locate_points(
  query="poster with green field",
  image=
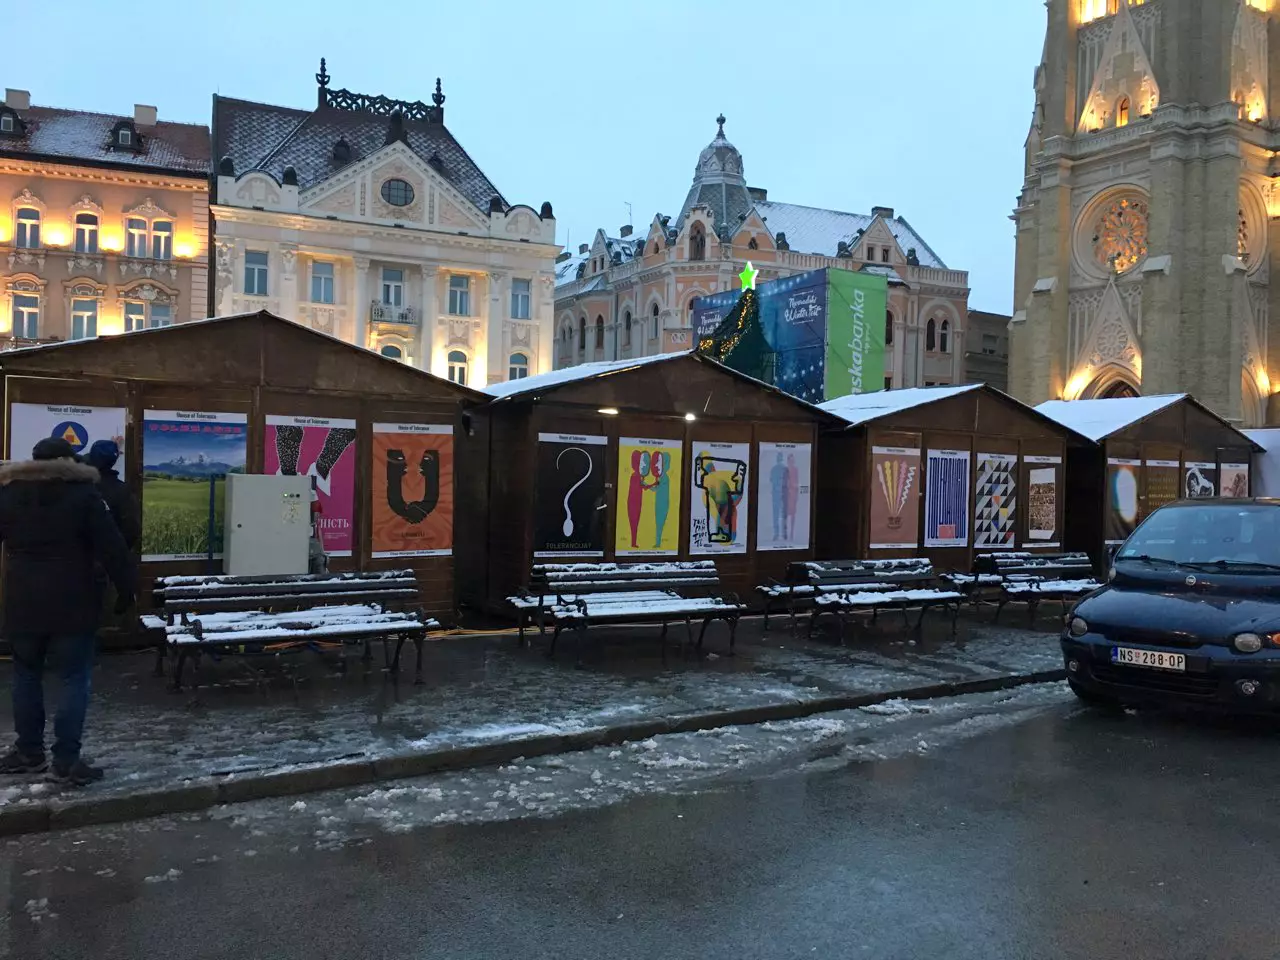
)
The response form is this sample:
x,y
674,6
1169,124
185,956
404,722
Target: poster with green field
x,y
856,305
186,457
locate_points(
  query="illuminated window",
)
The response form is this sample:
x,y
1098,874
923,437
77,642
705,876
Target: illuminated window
x,y
321,282
392,352
520,296
1122,112
518,368
86,233
255,273
28,232
135,316
136,237
460,295
161,240
84,319
1120,240
458,367
392,287
26,315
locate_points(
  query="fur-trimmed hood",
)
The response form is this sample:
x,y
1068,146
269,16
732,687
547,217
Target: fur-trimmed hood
x,y
48,470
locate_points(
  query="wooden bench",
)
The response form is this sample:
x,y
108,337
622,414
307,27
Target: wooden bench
x,y
227,614
1035,578
579,596
983,583
805,580
913,588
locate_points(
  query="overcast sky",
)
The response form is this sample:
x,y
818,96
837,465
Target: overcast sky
x,y
920,105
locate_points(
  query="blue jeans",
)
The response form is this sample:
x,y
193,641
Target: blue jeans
x,y
74,659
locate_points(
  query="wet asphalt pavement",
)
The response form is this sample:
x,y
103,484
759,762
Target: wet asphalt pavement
x,y
1015,826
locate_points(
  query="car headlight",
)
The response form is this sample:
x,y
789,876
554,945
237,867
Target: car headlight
x,y
1247,642
1079,627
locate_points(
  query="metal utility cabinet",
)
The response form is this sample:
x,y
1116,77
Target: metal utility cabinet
x,y
268,524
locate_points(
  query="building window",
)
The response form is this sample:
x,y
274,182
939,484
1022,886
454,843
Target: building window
x,y
162,240
626,330
871,254
392,287
161,315
459,295
599,333
458,367
944,337
86,233
697,242
28,233
255,273
398,193
520,298
888,383
124,137
1122,112
888,328
136,237
518,368
990,344
654,334
321,282
884,254
582,333
84,319
931,335
6,124
135,317
26,315
392,352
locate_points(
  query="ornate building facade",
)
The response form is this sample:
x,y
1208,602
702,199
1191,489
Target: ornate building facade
x,y
104,222
365,219
631,295
1144,243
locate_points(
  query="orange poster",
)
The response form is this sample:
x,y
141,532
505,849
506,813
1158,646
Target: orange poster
x,y
412,490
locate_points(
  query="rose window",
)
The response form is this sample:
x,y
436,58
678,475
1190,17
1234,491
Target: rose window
x,y
1120,242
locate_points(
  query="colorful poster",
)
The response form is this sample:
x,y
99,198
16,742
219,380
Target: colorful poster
x,y
718,497
79,426
1122,499
186,456
1233,480
856,307
412,490
569,502
783,514
648,514
793,315
946,499
1201,481
1162,480
995,501
323,449
1042,501
895,498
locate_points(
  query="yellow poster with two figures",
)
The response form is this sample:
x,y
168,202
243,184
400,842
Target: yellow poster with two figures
x,y
648,517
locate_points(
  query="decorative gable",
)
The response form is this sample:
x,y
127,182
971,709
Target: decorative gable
x,y
1124,87
875,239
1112,342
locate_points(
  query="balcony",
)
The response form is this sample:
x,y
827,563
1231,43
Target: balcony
x,y
388,313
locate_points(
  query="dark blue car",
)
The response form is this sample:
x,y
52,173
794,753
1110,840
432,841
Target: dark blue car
x,y
1191,612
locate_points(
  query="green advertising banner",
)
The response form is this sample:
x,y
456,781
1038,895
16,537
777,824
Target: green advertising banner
x,y
856,305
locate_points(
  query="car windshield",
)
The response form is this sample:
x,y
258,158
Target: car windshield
x,y
1218,534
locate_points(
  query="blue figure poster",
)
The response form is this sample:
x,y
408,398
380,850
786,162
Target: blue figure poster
x,y
718,494
783,515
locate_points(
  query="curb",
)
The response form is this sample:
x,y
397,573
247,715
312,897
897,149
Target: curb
x,y
202,794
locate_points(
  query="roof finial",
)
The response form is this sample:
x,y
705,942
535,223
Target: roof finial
x,y
322,77
720,121
438,97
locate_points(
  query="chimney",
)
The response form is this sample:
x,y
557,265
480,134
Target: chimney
x,y
583,248
625,230
144,116
884,212
18,99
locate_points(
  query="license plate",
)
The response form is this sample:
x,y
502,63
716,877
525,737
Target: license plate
x,y
1156,659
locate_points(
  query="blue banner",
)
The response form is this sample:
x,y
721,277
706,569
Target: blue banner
x,y
793,314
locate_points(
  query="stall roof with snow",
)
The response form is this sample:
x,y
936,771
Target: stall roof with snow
x,y
1145,418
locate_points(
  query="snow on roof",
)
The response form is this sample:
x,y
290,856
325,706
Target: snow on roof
x,y
1097,419
583,371
814,230
857,408
567,269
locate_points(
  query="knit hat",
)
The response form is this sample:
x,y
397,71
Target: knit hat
x,y
103,454
52,448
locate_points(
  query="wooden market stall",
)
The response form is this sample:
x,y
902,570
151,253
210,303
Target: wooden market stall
x,y
659,458
1146,452
255,393
942,472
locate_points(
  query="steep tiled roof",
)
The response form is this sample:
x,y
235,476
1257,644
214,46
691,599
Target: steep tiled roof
x,y
181,148
258,136
814,230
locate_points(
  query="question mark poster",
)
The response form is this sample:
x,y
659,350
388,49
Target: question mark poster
x,y
648,519
570,499
412,490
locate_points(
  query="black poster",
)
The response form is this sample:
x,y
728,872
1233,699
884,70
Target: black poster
x,y
569,516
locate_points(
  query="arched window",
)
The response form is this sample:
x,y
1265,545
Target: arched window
x,y
697,242
888,328
655,248
582,333
1122,112
752,245
28,232
931,335
392,352
518,368
458,367
626,329
654,334
86,233
944,337
599,333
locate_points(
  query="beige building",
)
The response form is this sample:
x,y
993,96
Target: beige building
x,y
104,222
363,217
1144,242
631,295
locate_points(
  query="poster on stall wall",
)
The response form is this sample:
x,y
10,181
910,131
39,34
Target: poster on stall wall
x,y
1042,501
81,427
718,497
1233,480
1122,499
1162,477
1201,481
946,499
995,501
323,449
895,498
412,490
570,498
648,510
783,511
184,454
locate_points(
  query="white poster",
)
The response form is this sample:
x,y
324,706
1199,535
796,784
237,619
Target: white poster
x,y
946,499
782,518
718,497
79,426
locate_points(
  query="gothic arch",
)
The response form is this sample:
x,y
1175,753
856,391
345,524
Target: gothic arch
x,y
1110,382
1253,406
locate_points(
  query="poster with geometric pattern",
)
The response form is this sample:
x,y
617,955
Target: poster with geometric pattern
x,y
995,501
946,499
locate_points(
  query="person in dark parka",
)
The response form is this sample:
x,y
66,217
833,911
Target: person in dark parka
x,y
103,456
55,528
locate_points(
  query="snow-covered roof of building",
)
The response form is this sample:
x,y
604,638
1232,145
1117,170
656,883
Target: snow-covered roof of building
x,y
858,408
814,230
583,371
1097,419
567,269
627,248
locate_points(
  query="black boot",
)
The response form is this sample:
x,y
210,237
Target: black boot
x,y
17,764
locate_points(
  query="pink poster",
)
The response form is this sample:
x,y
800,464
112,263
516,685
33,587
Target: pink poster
x,y
324,450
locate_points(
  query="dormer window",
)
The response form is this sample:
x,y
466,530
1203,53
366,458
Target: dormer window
x,y
11,124
125,137
6,123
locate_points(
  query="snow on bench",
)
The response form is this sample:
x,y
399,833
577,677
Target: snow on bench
x,y
974,579
1052,586
214,580
604,606
548,600
894,598
805,590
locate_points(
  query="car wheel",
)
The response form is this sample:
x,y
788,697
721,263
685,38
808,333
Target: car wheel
x,y
1093,699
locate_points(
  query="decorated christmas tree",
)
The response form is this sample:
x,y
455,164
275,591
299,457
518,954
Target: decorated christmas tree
x,y
739,341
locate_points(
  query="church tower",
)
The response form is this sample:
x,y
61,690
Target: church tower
x,y
1144,243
